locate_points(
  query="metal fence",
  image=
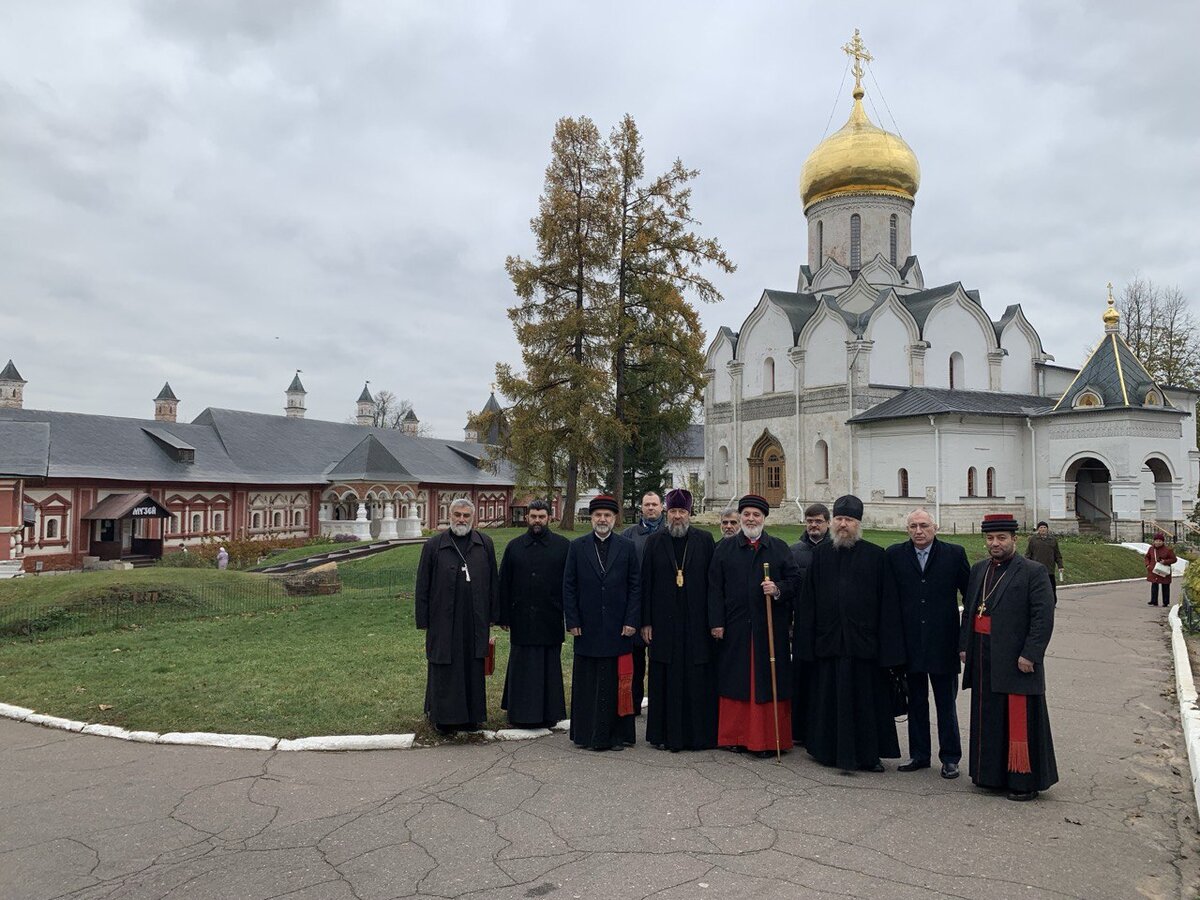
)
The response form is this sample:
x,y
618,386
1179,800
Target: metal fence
x,y
115,605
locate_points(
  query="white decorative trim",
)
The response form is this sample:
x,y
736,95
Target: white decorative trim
x,y
1185,687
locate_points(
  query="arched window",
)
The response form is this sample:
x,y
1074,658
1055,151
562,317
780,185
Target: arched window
x,y
218,521
822,461
51,528
298,518
902,478
971,482
991,481
893,224
820,244
196,523
768,375
277,519
723,465
174,523
855,242
256,520
956,371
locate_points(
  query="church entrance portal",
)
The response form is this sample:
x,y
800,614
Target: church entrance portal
x,y
1093,498
767,474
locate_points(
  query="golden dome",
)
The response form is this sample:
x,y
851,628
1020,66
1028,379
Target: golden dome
x,y
860,157
1111,315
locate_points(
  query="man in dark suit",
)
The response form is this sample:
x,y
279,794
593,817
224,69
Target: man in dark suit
x,y
930,575
602,608
1006,626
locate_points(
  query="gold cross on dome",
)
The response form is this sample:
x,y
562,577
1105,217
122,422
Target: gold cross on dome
x,y
858,50
1110,296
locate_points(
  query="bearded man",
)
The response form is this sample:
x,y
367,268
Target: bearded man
x,y
602,604
748,571
456,603
683,711
1006,626
848,626
531,610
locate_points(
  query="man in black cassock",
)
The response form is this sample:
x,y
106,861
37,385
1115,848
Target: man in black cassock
x,y
816,532
738,593
683,686
848,627
1006,627
602,606
531,578
456,603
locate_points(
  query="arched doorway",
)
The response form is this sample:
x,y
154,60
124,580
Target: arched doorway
x,y
1093,497
767,474
1165,507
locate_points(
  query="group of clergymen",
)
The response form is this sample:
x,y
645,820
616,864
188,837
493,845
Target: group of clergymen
x,y
754,646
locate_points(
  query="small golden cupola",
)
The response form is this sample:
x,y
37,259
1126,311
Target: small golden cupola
x,y
861,157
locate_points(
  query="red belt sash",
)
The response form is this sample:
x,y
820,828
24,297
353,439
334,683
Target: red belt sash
x,y
625,685
1018,718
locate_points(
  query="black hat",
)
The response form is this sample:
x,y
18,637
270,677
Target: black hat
x,y
1043,522
679,498
603,501
998,522
848,505
755,501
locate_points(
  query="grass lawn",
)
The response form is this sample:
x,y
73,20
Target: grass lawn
x,y
350,663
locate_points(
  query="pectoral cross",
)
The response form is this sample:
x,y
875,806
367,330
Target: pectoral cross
x,y
466,572
858,50
679,578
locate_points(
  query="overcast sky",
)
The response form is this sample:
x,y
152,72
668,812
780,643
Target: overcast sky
x,y
219,193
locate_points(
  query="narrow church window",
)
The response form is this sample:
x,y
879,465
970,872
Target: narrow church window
x,y
820,244
822,461
903,479
892,237
971,482
855,242
256,520
51,528
723,465
991,482
195,523
277,519
768,376
956,371
298,518
218,521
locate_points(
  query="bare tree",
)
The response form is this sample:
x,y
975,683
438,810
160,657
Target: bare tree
x,y
1160,328
390,411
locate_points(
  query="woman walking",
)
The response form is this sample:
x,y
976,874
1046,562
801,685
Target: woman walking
x,y
1159,559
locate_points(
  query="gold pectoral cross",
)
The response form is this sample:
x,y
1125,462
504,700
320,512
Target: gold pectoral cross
x,y
679,578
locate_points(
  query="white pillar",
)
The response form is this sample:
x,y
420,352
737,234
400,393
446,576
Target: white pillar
x,y
361,526
410,525
387,528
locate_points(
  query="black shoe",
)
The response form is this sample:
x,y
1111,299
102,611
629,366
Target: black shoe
x,y
1022,796
949,770
873,767
616,747
913,765
1152,603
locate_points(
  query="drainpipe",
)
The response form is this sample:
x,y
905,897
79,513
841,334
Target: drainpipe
x,y
849,428
1033,462
937,470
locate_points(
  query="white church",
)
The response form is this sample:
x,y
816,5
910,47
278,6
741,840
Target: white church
x,y
865,380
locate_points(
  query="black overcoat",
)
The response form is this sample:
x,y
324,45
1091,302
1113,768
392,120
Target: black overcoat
x,y
661,596
929,603
848,607
1022,611
531,579
436,575
802,552
737,604
601,603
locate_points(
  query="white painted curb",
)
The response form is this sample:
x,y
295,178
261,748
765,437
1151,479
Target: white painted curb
x,y
351,742
1189,714
209,739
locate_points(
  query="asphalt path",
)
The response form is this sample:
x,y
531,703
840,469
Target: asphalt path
x,y
91,817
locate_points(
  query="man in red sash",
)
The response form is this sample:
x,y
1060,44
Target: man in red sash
x,y
1006,625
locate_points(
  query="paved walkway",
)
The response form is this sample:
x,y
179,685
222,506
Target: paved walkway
x,y
90,817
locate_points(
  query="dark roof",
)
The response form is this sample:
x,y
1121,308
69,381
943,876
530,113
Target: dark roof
x,y
688,443
365,396
799,308
491,406
230,446
1116,374
921,303
925,401
10,373
296,385
25,449
166,393
369,461
411,416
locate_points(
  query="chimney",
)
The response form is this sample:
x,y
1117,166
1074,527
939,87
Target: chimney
x,y
166,404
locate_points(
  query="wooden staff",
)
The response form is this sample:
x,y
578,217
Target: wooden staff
x,y
774,682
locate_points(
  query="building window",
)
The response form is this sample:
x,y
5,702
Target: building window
x,y
768,376
723,465
218,521
971,482
51,529
297,518
902,478
256,520
822,461
196,523
892,226
174,523
820,244
991,481
855,242
956,371
277,519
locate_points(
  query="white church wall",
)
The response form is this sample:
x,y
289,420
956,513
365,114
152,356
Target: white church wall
x,y
767,337
722,390
951,329
1056,380
825,353
719,460
1016,371
889,353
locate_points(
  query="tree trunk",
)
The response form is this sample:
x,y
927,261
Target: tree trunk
x,y
570,495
